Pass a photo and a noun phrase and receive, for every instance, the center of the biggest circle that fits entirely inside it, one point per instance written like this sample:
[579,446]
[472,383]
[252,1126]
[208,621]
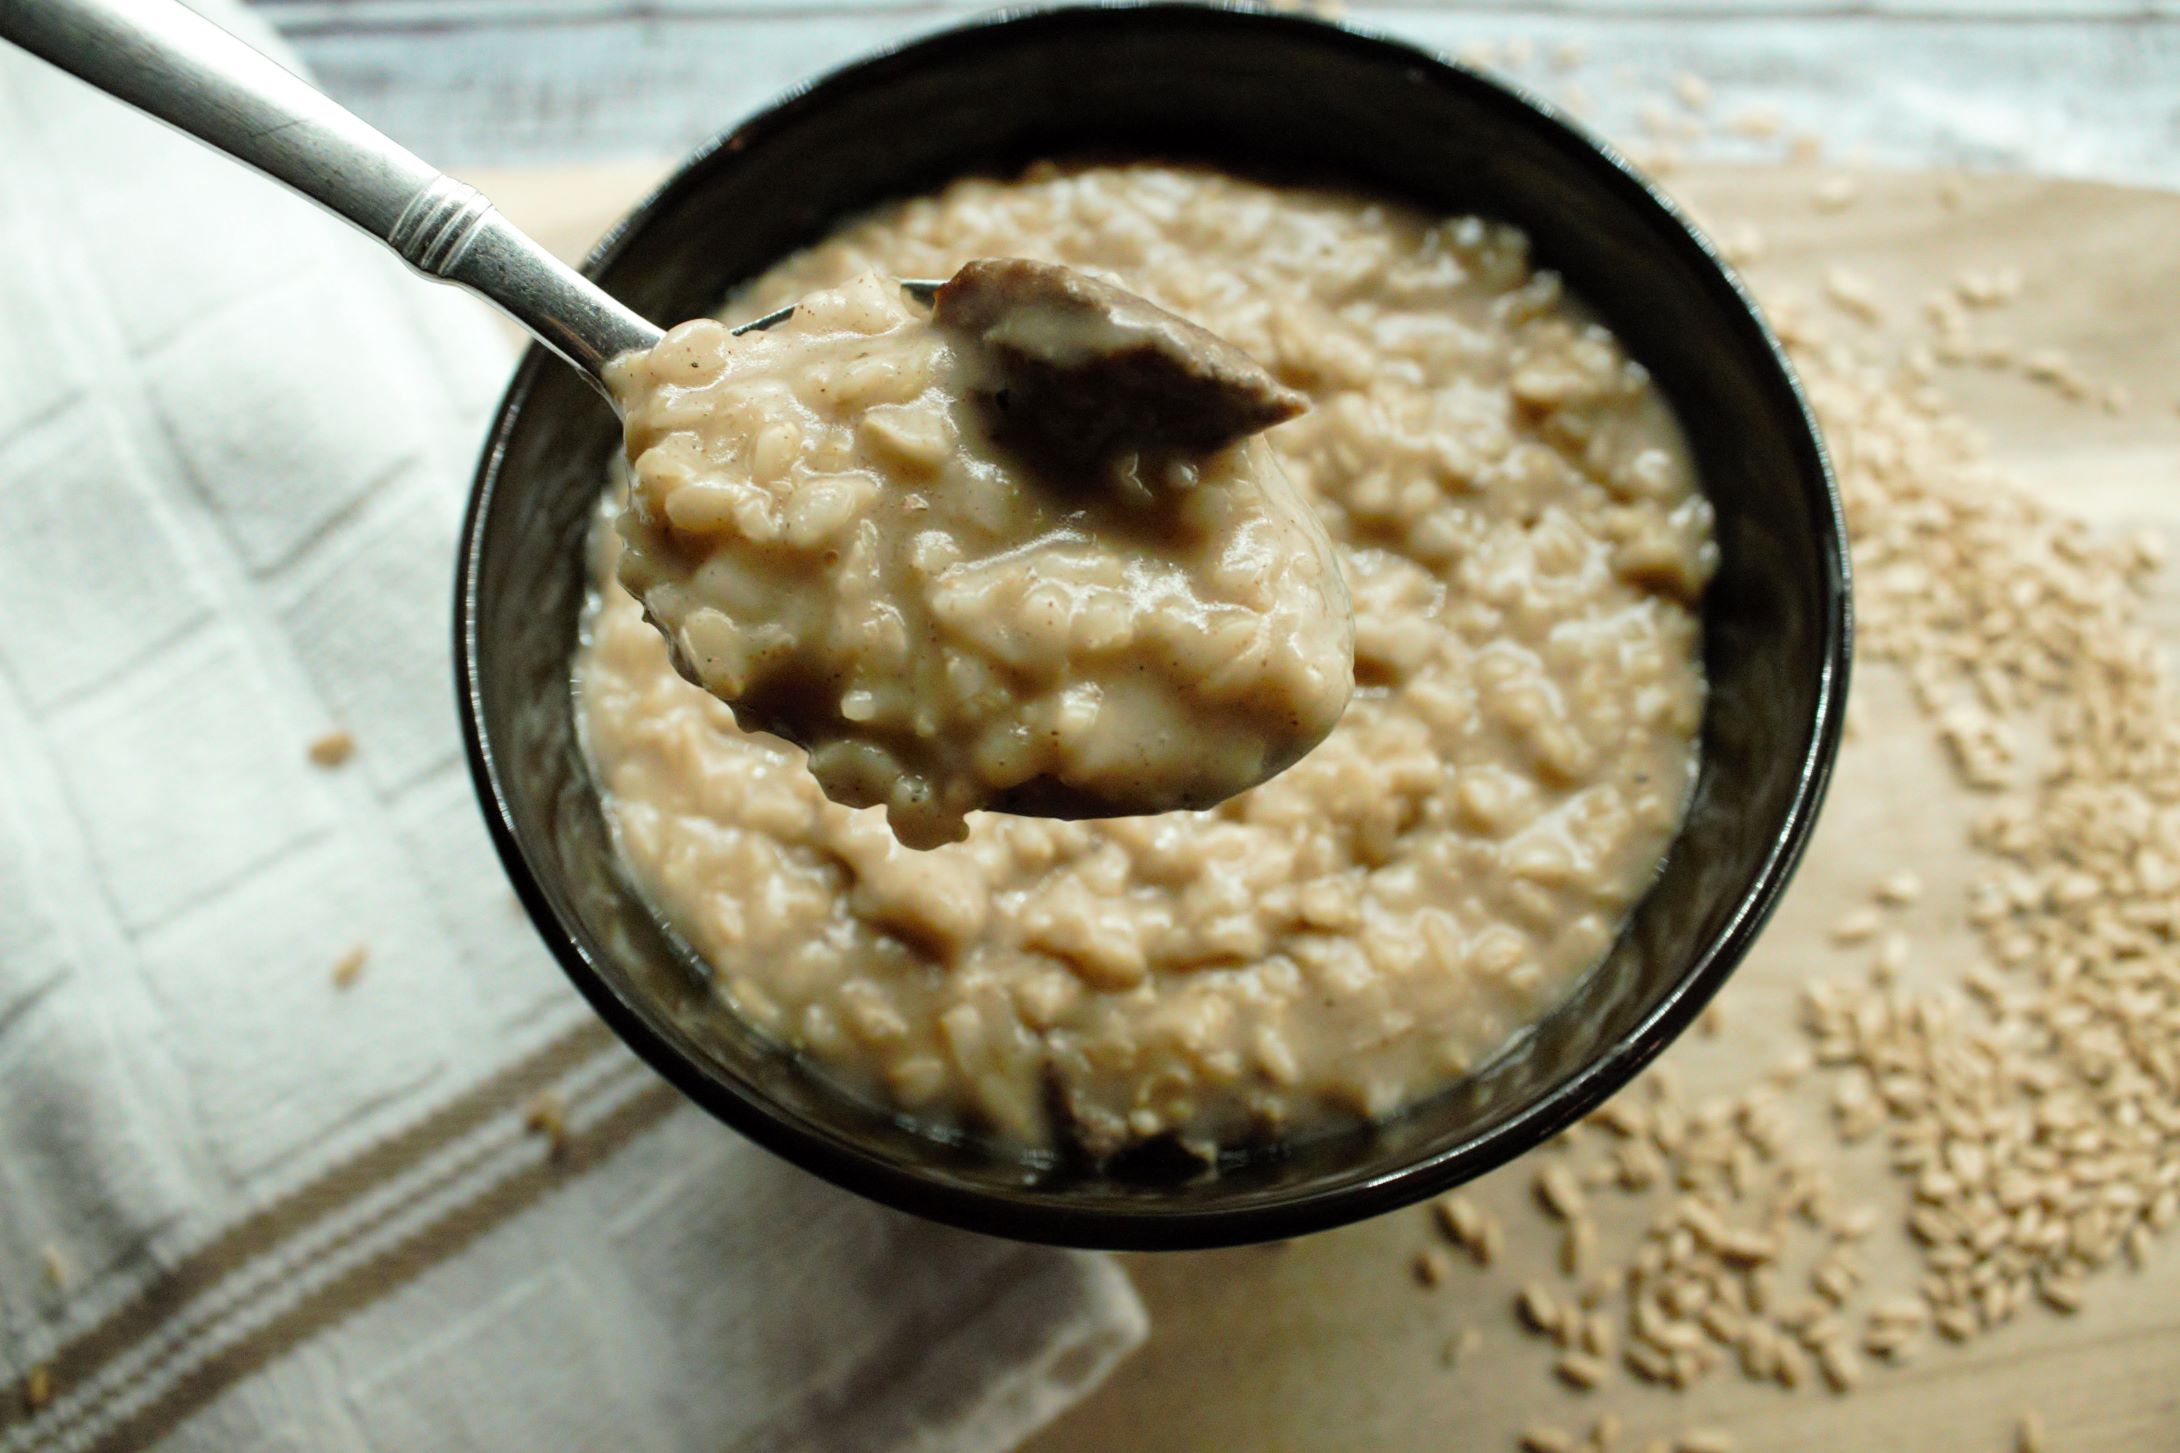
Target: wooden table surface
[1328,1345]
[2072,87]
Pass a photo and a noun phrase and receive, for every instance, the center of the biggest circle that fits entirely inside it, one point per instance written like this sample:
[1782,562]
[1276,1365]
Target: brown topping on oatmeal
[1090,370]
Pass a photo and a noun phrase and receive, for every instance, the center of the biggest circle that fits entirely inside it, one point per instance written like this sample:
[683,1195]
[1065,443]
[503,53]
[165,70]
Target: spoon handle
[164,59]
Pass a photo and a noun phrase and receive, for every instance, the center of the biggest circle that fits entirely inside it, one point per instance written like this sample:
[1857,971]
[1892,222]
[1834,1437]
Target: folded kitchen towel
[255,1194]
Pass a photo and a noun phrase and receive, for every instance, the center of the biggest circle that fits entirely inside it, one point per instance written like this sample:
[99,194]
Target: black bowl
[1260,92]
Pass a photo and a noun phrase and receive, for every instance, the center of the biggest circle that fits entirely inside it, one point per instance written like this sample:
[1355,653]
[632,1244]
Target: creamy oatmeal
[1518,523]
[1017,549]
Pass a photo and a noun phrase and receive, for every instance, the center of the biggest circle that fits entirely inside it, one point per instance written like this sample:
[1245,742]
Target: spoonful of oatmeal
[1017,550]
[1003,542]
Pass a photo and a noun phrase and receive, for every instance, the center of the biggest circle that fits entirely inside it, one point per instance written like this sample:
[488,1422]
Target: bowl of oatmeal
[1599,611]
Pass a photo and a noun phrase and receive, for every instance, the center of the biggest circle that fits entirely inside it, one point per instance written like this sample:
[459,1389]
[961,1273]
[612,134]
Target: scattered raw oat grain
[2028,1434]
[1558,1192]
[333,748]
[1461,1346]
[2061,1293]
[1856,1223]
[1598,1339]
[1543,1438]
[1947,317]
[1836,193]
[1743,244]
[1457,1218]
[1790,1068]
[1898,890]
[1469,1227]
[1578,1248]
[1989,289]
[1568,54]
[1580,1370]
[1722,1321]
[1891,957]
[1756,123]
[1991,352]
[1852,293]
[1858,925]
[1805,148]
[546,1116]
[1520,51]
[1432,1267]
[348,968]
[1692,91]
[1706,1440]
[37,1388]
[2053,367]
[1648,1361]
[1842,1372]
[1789,1364]
[1712,1021]
[1604,1433]
[55,1267]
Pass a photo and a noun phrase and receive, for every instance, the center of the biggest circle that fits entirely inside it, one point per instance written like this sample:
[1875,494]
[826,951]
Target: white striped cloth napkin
[432,1206]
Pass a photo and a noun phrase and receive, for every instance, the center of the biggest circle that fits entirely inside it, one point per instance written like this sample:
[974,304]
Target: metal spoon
[173,64]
